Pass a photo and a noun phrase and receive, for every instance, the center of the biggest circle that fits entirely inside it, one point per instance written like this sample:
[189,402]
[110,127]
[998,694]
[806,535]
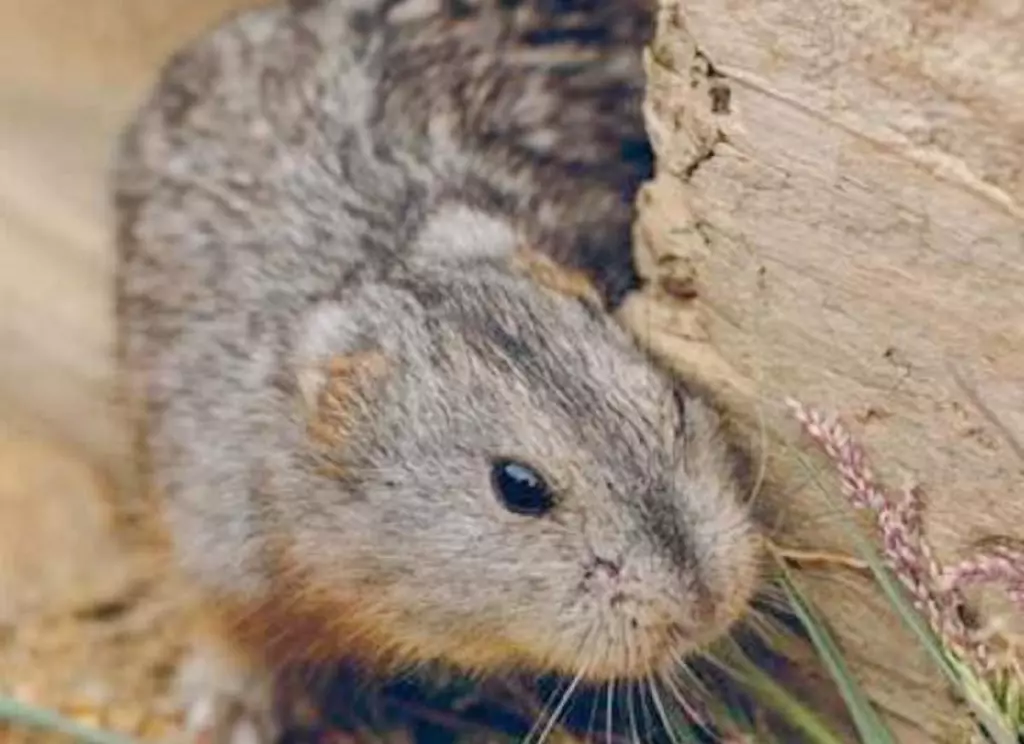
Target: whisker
[588,659]
[611,708]
[762,467]
[631,712]
[771,627]
[627,643]
[585,661]
[542,714]
[560,708]
[772,638]
[770,590]
[683,666]
[662,712]
[645,698]
[592,722]
[680,696]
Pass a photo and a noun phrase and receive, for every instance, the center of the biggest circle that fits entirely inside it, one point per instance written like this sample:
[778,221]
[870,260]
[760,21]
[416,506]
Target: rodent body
[320,210]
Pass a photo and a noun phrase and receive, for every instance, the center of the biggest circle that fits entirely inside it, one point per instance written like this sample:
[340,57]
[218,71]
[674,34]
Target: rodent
[373,431]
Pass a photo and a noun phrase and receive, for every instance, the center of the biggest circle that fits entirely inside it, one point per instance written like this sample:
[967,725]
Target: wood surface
[842,185]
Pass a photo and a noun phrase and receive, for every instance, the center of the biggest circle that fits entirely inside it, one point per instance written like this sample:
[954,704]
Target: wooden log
[841,186]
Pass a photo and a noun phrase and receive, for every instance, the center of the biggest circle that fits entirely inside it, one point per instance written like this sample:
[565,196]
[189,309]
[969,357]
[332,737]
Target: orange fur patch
[303,621]
[347,377]
[548,273]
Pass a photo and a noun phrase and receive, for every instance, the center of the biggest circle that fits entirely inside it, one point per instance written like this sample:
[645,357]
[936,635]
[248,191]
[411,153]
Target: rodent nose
[604,569]
[604,577]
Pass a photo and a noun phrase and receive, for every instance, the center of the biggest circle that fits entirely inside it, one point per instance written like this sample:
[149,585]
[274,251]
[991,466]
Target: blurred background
[87,624]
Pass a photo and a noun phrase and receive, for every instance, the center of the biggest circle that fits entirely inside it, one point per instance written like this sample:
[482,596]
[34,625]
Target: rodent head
[508,481]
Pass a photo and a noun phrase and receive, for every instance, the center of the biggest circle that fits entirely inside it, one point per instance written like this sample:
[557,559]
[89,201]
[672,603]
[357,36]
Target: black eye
[520,488]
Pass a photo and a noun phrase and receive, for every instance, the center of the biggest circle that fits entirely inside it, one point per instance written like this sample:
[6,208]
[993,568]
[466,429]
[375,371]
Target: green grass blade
[773,695]
[870,726]
[31,716]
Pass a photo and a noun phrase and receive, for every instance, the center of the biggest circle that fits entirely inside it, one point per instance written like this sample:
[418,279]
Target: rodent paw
[216,720]
[224,703]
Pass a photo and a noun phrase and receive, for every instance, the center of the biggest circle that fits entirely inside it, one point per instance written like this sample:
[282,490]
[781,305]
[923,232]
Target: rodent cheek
[734,575]
[724,544]
[728,551]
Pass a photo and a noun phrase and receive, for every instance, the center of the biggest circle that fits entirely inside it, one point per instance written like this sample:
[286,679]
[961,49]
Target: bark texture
[838,216]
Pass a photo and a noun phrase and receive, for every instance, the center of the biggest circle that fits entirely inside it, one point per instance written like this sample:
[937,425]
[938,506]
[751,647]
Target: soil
[91,620]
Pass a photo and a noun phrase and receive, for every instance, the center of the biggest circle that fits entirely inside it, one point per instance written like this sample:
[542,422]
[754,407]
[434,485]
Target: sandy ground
[91,622]
[86,619]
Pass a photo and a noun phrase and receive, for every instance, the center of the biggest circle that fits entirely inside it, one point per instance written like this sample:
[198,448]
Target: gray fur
[316,179]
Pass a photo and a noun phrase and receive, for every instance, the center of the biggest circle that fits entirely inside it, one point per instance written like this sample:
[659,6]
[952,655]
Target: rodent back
[292,146]
[296,151]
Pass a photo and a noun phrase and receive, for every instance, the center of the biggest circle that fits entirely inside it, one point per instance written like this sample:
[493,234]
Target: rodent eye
[520,488]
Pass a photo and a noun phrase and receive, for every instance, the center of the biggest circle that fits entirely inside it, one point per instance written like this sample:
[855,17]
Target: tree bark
[838,216]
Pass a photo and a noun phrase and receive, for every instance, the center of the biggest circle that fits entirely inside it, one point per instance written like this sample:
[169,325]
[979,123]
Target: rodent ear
[344,388]
[336,355]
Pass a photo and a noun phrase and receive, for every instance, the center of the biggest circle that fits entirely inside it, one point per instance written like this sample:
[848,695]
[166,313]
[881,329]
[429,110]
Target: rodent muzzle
[641,626]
